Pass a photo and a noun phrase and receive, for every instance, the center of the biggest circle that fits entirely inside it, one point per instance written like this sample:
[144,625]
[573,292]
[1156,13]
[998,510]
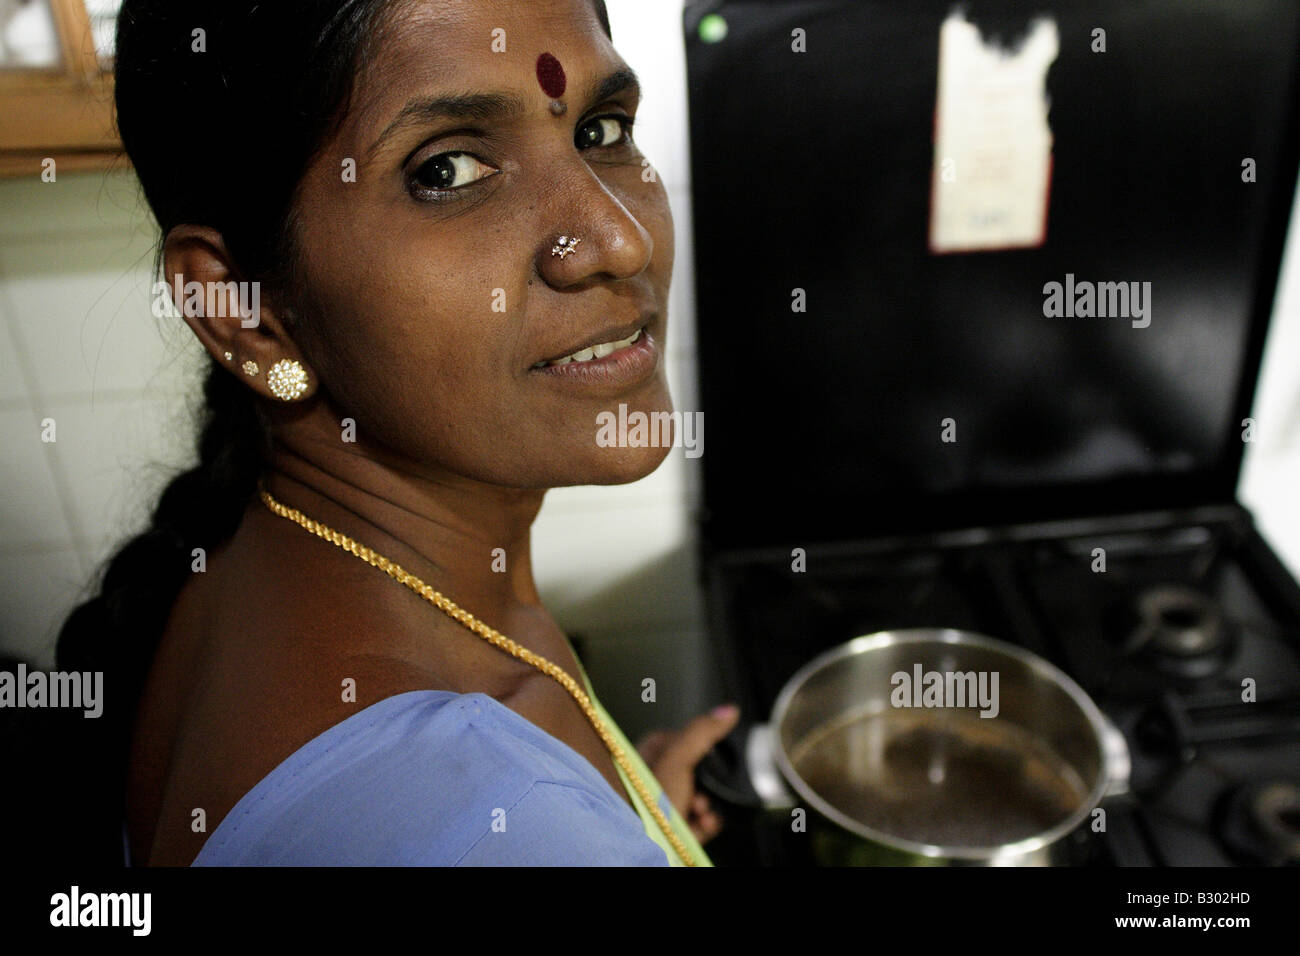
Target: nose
[602,239]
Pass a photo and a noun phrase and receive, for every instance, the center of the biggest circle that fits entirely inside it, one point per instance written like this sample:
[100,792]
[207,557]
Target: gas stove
[904,433]
[1185,630]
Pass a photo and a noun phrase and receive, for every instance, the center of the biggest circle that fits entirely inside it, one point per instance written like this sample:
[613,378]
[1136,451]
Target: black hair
[267,81]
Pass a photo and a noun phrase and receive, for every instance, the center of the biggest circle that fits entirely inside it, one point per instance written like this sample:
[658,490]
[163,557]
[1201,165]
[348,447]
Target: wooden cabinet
[56,90]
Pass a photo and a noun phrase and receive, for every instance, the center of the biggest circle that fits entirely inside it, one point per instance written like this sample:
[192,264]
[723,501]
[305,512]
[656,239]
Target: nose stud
[564,245]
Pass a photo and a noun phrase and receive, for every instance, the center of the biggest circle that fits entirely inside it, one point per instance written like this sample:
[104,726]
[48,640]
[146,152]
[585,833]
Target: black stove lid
[813,171]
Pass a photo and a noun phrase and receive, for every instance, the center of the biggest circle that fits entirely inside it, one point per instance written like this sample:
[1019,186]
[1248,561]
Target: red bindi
[551,76]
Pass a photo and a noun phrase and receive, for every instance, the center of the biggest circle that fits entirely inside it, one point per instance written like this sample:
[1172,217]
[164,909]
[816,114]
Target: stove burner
[1181,632]
[1261,822]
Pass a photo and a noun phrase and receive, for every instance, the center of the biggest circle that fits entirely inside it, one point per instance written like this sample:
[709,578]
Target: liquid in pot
[940,777]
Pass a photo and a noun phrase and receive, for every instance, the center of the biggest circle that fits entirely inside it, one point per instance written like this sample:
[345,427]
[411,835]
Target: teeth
[597,351]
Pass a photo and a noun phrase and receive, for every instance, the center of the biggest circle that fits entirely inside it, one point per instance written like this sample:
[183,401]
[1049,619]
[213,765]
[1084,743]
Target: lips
[598,346]
[592,352]
[613,374]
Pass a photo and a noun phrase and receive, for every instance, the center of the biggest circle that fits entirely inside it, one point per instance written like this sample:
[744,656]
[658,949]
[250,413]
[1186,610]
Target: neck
[444,528]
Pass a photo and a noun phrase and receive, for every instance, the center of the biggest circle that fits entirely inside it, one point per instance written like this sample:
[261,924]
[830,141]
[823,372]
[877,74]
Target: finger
[651,746]
[700,808]
[699,736]
[705,828]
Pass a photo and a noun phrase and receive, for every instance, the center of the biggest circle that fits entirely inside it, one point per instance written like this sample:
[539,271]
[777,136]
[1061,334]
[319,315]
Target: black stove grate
[1201,753]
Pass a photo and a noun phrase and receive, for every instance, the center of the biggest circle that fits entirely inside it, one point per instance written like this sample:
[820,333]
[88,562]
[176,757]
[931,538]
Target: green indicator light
[713,28]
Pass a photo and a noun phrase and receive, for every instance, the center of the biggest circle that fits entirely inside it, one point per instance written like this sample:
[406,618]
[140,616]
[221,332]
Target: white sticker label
[992,143]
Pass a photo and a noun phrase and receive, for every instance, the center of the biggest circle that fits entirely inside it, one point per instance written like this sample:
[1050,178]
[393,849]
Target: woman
[459,265]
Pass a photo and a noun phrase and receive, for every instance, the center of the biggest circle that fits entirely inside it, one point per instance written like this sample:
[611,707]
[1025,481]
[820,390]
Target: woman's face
[430,293]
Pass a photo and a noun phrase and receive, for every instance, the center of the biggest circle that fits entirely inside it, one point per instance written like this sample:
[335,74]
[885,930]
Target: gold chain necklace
[493,637]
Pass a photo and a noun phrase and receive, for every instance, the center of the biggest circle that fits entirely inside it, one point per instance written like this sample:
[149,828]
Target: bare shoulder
[262,653]
[281,639]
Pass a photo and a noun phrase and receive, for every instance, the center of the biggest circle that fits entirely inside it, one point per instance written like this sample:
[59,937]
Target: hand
[672,755]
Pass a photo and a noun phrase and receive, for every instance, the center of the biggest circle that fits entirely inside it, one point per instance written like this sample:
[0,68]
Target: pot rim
[930,635]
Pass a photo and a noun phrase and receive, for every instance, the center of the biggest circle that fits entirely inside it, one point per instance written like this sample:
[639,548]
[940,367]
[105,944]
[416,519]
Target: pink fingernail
[723,711]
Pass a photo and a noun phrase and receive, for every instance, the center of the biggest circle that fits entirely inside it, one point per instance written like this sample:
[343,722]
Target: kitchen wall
[78,345]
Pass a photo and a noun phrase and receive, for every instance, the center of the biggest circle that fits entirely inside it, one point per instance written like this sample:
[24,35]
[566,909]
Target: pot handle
[1118,763]
[741,770]
[764,775]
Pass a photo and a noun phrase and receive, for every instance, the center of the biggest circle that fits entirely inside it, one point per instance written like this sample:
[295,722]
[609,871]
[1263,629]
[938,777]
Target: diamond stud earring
[250,367]
[287,379]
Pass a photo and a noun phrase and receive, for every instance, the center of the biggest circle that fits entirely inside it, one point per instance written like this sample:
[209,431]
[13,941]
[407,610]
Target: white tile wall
[33,514]
[78,343]
[80,347]
[94,335]
[40,586]
[648,36]
[14,392]
[121,450]
[1270,474]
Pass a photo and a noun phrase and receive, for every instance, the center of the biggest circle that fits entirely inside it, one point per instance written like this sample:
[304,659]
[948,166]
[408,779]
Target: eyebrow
[498,106]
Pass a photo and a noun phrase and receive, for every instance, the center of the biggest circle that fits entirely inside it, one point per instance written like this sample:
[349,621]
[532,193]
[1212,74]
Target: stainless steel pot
[882,742]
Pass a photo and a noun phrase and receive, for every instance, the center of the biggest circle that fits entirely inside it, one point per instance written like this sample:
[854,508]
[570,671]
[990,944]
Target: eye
[448,172]
[604,131]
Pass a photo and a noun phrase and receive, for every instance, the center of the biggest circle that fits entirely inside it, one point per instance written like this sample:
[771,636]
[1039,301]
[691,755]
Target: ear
[226,311]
